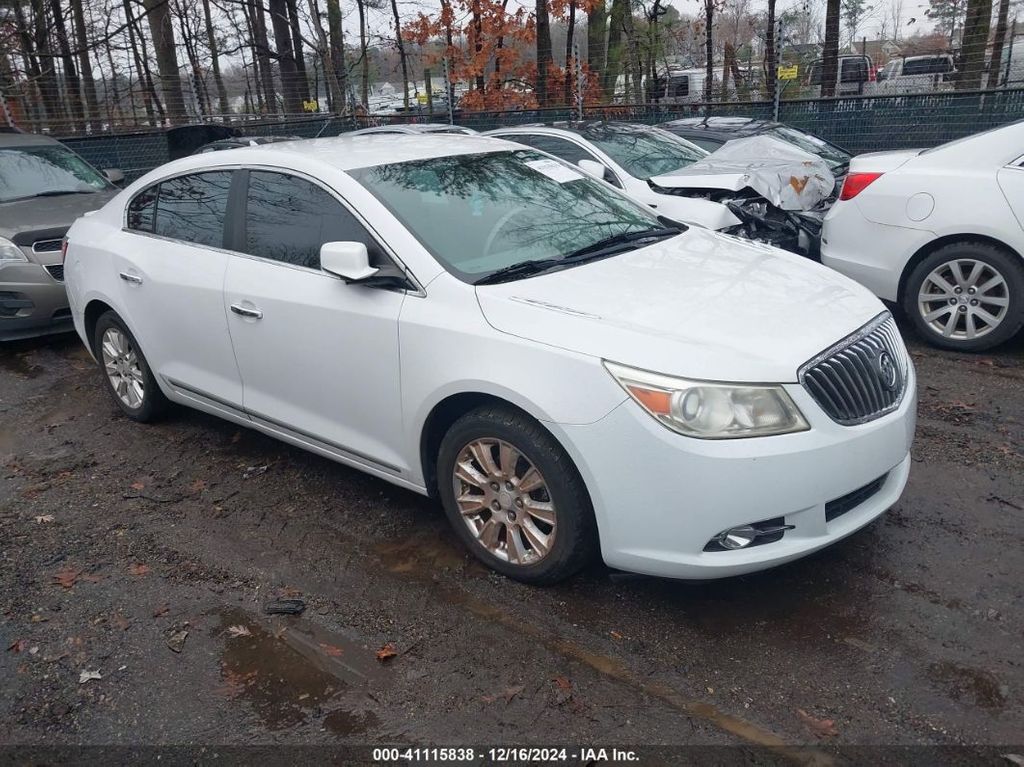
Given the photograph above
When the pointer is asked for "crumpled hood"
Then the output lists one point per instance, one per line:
(786, 176)
(701, 305)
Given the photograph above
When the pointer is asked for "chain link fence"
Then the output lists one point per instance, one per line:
(859, 124)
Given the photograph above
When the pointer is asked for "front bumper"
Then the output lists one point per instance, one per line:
(32, 303)
(660, 497)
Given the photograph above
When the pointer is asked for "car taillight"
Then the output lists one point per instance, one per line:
(63, 249)
(856, 183)
(872, 73)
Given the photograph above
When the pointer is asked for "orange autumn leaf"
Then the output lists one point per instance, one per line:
(387, 652)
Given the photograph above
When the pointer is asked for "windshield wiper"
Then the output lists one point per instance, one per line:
(599, 249)
(51, 193)
(616, 241)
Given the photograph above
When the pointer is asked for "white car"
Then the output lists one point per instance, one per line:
(470, 319)
(939, 232)
(747, 189)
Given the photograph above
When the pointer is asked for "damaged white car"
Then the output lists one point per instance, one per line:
(758, 187)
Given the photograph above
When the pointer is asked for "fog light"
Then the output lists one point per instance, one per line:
(737, 537)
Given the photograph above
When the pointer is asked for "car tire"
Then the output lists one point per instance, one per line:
(126, 373)
(979, 282)
(534, 521)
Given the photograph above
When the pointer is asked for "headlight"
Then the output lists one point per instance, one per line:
(711, 410)
(9, 252)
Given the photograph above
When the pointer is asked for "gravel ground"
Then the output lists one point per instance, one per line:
(143, 556)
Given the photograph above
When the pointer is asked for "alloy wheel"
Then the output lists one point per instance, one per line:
(504, 501)
(121, 364)
(963, 299)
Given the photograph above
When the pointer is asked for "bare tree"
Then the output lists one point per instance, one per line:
(166, 58)
(218, 79)
(998, 41)
(401, 54)
(543, 51)
(975, 40)
(85, 67)
(830, 50)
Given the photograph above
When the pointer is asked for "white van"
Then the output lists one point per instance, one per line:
(917, 74)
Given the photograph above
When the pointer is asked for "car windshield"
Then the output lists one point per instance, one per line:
(833, 155)
(481, 213)
(644, 153)
(47, 169)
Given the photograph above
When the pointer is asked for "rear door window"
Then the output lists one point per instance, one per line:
(559, 147)
(189, 208)
(288, 218)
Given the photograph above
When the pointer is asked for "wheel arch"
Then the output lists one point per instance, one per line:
(926, 250)
(94, 309)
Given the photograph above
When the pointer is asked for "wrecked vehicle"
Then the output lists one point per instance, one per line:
(758, 188)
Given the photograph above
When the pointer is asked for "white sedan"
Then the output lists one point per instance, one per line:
(476, 321)
(940, 232)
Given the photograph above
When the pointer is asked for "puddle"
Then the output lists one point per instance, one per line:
(289, 670)
(342, 722)
(968, 685)
(20, 366)
(429, 551)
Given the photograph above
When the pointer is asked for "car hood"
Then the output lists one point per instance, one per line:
(47, 214)
(783, 174)
(701, 305)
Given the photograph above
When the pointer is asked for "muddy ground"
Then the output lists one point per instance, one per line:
(143, 556)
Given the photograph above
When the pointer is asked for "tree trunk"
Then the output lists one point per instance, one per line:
(302, 78)
(543, 52)
(262, 50)
(597, 38)
(830, 50)
(974, 42)
(218, 80)
(771, 63)
(709, 48)
(285, 56)
(166, 58)
(84, 66)
(401, 54)
(32, 65)
(337, 52)
(998, 41)
(364, 57)
(72, 85)
(616, 46)
(49, 90)
(570, 54)
(154, 109)
(478, 43)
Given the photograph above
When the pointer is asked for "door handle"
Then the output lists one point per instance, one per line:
(134, 279)
(245, 311)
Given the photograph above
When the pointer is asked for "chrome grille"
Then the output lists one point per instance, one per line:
(862, 377)
(56, 271)
(47, 246)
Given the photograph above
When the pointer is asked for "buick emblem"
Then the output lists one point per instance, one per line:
(885, 369)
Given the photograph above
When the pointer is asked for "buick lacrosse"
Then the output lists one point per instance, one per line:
(566, 372)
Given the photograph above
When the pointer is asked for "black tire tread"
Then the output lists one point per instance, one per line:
(571, 553)
(154, 403)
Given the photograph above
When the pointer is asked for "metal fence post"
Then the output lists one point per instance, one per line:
(778, 83)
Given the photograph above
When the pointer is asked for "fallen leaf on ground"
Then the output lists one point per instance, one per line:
(563, 691)
(332, 650)
(239, 631)
(138, 486)
(507, 694)
(821, 727)
(42, 518)
(176, 641)
(38, 618)
(88, 676)
(387, 652)
(121, 622)
(137, 568)
(616, 635)
(162, 610)
(18, 645)
(198, 486)
(67, 577)
(562, 683)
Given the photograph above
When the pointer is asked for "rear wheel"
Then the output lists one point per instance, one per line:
(967, 296)
(125, 371)
(514, 496)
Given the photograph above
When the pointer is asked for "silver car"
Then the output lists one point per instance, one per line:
(44, 187)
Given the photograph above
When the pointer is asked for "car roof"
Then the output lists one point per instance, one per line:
(8, 140)
(347, 152)
(575, 128)
(732, 125)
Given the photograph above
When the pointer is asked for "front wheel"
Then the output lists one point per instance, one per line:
(514, 496)
(125, 370)
(967, 296)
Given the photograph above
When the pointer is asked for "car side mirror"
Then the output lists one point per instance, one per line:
(348, 260)
(114, 175)
(593, 167)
